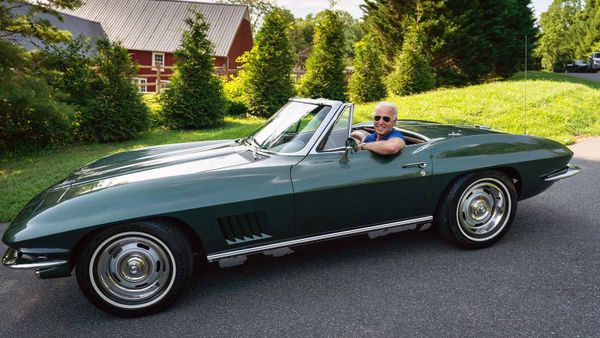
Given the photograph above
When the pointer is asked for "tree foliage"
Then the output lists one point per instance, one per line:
(29, 115)
(467, 40)
(117, 111)
(366, 84)
(556, 23)
(194, 98)
(412, 73)
(27, 18)
(325, 67)
(267, 67)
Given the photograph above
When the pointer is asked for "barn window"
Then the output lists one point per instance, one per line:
(158, 59)
(141, 83)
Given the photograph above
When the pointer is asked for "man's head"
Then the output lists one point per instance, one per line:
(384, 118)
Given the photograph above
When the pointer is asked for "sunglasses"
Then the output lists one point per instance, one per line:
(385, 118)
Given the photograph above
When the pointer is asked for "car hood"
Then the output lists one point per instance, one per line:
(160, 161)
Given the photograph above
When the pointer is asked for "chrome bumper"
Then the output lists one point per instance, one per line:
(17, 260)
(568, 171)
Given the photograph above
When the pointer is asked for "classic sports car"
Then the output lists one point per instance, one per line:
(131, 223)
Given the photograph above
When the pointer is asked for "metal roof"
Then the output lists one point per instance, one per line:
(156, 25)
(77, 27)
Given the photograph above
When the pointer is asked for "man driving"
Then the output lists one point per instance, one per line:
(385, 140)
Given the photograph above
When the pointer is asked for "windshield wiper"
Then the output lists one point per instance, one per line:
(255, 146)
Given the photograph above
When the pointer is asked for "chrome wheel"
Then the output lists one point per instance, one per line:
(483, 209)
(132, 270)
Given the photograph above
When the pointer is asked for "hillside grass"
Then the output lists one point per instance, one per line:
(558, 107)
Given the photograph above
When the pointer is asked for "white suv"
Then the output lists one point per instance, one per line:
(594, 63)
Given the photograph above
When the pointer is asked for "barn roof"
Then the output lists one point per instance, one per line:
(77, 27)
(156, 25)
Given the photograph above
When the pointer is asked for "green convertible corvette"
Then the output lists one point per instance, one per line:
(131, 223)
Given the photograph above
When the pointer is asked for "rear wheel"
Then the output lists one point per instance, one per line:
(135, 269)
(477, 209)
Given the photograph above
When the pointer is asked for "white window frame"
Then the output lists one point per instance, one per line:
(154, 54)
(141, 82)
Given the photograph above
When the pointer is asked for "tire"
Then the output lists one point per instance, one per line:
(135, 269)
(477, 209)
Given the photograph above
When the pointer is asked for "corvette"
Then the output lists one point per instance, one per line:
(131, 224)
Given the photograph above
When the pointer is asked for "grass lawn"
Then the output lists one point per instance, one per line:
(559, 107)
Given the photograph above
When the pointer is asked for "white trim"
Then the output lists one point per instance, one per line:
(306, 240)
(141, 82)
(154, 59)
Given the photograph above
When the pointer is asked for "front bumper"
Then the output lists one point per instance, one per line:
(568, 171)
(43, 266)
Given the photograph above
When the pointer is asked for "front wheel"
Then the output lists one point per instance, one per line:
(477, 209)
(135, 269)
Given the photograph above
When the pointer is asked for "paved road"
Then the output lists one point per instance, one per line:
(587, 76)
(542, 279)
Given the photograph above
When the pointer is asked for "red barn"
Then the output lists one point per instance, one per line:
(151, 31)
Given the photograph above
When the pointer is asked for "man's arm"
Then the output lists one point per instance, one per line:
(388, 147)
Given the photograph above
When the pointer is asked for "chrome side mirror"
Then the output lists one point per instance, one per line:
(351, 145)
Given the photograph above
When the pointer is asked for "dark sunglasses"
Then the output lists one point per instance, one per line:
(385, 118)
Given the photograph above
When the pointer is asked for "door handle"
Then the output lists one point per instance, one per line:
(421, 165)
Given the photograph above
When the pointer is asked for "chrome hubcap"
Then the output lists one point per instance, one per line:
(483, 209)
(133, 269)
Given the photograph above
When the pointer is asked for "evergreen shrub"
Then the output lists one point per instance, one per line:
(366, 84)
(412, 72)
(325, 66)
(194, 98)
(117, 111)
(267, 67)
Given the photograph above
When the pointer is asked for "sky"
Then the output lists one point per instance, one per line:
(300, 8)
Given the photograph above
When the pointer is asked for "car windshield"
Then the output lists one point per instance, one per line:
(597, 55)
(290, 129)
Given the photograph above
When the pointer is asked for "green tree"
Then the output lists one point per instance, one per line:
(27, 18)
(29, 116)
(325, 75)
(412, 73)
(194, 98)
(267, 67)
(366, 84)
(117, 112)
(68, 68)
(553, 46)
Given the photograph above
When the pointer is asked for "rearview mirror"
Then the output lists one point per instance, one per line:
(351, 145)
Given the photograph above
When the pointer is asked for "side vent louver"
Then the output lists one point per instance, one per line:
(241, 228)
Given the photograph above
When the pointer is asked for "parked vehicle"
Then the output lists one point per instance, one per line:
(578, 66)
(131, 223)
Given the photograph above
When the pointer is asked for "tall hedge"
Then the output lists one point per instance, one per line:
(412, 72)
(194, 98)
(325, 66)
(117, 112)
(366, 84)
(266, 71)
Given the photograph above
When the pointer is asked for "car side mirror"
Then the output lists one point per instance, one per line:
(351, 145)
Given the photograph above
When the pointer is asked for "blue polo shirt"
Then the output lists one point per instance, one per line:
(391, 134)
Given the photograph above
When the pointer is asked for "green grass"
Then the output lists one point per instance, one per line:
(558, 107)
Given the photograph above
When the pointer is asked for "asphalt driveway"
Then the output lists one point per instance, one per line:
(586, 76)
(542, 279)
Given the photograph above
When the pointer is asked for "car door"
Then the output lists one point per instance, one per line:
(331, 196)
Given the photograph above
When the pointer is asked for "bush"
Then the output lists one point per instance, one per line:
(155, 111)
(266, 71)
(117, 111)
(29, 117)
(235, 96)
(194, 98)
(366, 84)
(325, 66)
(412, 73)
